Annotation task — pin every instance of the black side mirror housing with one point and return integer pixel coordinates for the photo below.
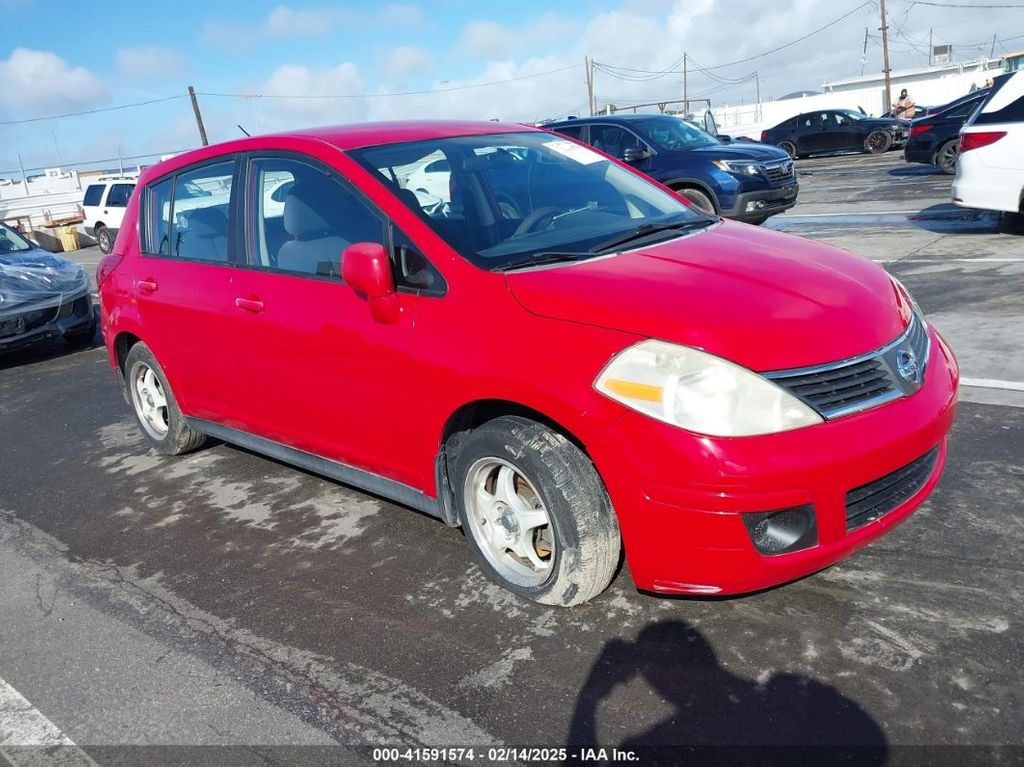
(635, 154)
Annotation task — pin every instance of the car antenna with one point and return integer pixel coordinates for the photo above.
(249, 135)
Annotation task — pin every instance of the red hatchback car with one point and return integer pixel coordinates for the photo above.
(551, 351)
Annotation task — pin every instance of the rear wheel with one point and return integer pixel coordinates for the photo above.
(699, 199)
(945, 158)
(878, 142)
(788, 147)
(535, 512)
(105, 239)
(155, 407)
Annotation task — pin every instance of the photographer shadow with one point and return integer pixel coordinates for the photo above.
(718, 715)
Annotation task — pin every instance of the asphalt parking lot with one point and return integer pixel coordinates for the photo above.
(223, 598)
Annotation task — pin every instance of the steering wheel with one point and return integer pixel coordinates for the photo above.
(530, 223)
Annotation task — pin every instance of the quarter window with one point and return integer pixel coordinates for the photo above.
(93, 195)
(156, 232)
(304, 229)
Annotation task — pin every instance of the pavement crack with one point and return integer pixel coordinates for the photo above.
(41, 599)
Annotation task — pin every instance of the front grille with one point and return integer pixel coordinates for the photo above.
(780, 171)
(857, 384)
(876, 499)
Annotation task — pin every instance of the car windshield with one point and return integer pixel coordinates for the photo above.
(675, 133)
(852, 114)
(508, 197)
(12, 242)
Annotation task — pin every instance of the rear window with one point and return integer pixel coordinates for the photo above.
(94, 194)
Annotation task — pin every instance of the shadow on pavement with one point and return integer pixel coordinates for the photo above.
(712, 707)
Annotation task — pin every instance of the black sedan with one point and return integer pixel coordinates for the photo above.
(41, 295)
(836, 130)
(935, 139)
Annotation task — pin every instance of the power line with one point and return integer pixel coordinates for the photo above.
(963, 5)
(92, 111)
(385, 95)
(97, 162)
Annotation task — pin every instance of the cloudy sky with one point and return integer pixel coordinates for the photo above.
(519, 60)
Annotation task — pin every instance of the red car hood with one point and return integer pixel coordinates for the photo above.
(766, 300)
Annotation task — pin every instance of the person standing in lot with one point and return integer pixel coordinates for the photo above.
(905, 106)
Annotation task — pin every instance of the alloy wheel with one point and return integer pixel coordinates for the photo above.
(509, 522)
(150, 401)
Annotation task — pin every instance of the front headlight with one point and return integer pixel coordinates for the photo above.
(746, 167)
(700, 392)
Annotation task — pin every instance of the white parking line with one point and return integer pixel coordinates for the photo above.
(992, 383)
(25, 732)
(962, 260)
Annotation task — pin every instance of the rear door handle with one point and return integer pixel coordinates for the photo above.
(148, 286)
(253, 305)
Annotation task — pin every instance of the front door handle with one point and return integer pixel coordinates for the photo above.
(147, 286)
(253, 305)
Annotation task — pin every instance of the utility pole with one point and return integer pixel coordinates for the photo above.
(992, 53)
(864, 55)
(686, 96)
(24, 177)
(757, 87)
(199, 116)
(887, 97)
(590, 84)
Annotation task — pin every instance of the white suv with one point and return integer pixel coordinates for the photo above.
(104, 205)
(990, 166)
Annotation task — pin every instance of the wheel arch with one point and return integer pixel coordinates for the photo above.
(469, 416)
(678, 184)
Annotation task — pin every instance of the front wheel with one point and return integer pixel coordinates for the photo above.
(699, 199)
(878, 142)
(535, 512)
(945, 158)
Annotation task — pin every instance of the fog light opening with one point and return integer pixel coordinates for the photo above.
(782, 531)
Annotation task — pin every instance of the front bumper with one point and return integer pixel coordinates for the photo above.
(681, 497)
(75, 315)
(754, 206)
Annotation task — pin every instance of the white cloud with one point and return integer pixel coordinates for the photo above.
(400, 15)
(149, 62)
(41, 82)
(285, 21)
(490, 40)
(406, 60)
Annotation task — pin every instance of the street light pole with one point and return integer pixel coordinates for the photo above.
(887, 96)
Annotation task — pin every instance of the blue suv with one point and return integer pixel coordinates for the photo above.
(746, 181)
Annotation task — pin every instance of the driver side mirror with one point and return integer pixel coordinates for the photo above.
(366, 268)
(635, 154)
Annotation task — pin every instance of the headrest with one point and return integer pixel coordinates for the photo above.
(410, 200)
(207, 223)
(314, 207)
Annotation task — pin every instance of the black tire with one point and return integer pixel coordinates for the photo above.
(585, 529)
(699, 199)
(878, 142)
(105, 239)
(788, 147)
(179, 437)
(945, 158)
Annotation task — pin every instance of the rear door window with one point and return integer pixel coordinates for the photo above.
(119, 195)
(187, 216)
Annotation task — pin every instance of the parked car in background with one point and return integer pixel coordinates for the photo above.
(990, 167)
(743, 181)
(42, 295)
(564, 359)
(935, 139)
(836, 130)
(103, 206)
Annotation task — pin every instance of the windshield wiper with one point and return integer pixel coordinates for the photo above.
(537, 259)
(645, 230)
